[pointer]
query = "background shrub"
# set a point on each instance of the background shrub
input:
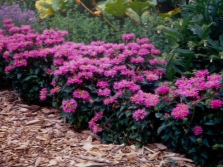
(19, 16)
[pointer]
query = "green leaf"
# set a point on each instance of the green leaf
(185, 51)
(139, 7)
(205, 141)
(158, 115)
(19, 76)
(117, 8)
(197, 30)
(212, 43)
(162, 127)
(56, 5)
(133, 15)
(145, 17)
(133, 135)
(221, 39)
(30, 77)
(170, 13)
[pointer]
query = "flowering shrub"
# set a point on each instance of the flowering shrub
(111, 87)
(18, 16)
(192, 114)
(27, 57)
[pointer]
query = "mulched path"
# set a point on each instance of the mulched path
(34, 136)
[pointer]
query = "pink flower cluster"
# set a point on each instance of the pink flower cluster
(197, 130)
(69, 106)
(193, 88)
(180, 111)
(128, 37)
(81, 94)
(139, 114)
(24, 44)
(217, 103)
(93, 123)
(43, 94)
(147, 99)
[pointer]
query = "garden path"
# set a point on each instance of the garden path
(34, 136)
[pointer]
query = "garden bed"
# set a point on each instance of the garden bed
(37, 136)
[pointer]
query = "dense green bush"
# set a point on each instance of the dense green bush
(199, 38)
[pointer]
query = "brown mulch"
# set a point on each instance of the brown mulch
(32, 136)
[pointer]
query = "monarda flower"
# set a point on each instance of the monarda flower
(162, 90)
(102, 84)
(104, 92)
(180, 111)
(139, 114)
(197, 130)
(43, 94)
(55, 90)
(216, 103)
(69, 106)
(81, 94)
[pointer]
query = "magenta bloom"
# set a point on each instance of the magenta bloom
(55, 90)
(197, 130)
(43, 94)
(216, 103)
(180, 111)
(164, 89)
(96, 128)
(69, 106)
(139, 114)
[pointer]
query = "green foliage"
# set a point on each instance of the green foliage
(199, 38)
(83, 28)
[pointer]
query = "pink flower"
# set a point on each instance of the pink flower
(128, 37)
(180, 111)
(151, 100)
(216, 103)
(55, 90)
(102, 84)
(104, 92)
(166, 115)
(43, 94)
(201, 73)
(81, 94)
(164, 89)
(197, 130)
(69, 106)
(110, 100)
(96, 128)
(139, 114)
(98, 116)
(152, 77)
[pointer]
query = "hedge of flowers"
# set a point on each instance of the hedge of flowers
(116, 90)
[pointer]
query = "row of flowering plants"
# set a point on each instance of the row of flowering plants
(115, 89)
(109, 87)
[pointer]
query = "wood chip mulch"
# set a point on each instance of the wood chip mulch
(34, 136)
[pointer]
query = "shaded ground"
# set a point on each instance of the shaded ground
(32, 136)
